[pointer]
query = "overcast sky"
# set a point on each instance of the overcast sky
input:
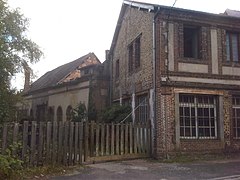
(68, 29)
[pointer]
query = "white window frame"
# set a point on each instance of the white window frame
(197, 105)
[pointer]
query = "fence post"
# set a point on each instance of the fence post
(48, 148)
(107, 139)
(117, 139)
(60, 142)
(65, 148)
(126, 139)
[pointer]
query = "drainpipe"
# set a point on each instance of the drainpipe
(154, 83)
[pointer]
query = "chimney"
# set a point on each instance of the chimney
(27, 75)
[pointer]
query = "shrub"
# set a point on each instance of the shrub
(116, 113)
(9, 163)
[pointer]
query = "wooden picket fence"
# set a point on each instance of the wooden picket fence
(71, 143)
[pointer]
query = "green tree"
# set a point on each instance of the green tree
(79, 114)
(16, 49)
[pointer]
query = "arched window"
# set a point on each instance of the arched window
(50, 114)
(31, 114)
(59, 113)
(69, 113)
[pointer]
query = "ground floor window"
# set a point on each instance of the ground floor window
(198, 116)
(236, 116)
(142, 108)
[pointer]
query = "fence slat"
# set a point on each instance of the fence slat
(86, 141)
(117, 139)
(92, 138)
(107, 139)
(60, 142)
(15, 133)
(25, 141)
(40, 143)
(48, 141)
(135, 138)
(97, 139)
(102, 138)
(4, 140)
(126, 139)
(71, 143)
(112, 139)
(122, 139)
(80, 142)
(76, 141)
(54, 142)
(33, 143)
(66, 140)
(130, 138)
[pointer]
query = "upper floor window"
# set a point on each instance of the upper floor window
(134, 54)
(137, 52)
(191, 42)
(232, 47)
(236, 116)
(117, 69)
(130, 58)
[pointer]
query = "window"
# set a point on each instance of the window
(191, 42)
(134, 54)
(69, 113)
(142, 109)
(198, 116)
(50, 114)
(59, 113)
(137, 52)
(117, 69)
(232, 47)
(130, 58)
(236, 116)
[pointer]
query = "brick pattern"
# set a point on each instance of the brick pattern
(134, 23)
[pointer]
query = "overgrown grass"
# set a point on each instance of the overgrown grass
(42, 172)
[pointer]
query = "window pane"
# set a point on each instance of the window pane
(228, 46)
(235, 47)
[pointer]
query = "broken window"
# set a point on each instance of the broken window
(142, 109)
(117, 69)
(191, 42)
(130, 58)
(232, 47)
(137, 52)
(198, 119)
(236, 116)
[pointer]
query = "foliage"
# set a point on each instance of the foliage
(9, 163)
(79, 114)
(116, 113)
(16, 49)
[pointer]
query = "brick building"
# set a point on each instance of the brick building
(53, 96)
(180, 70)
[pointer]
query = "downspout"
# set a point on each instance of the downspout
(154, 144)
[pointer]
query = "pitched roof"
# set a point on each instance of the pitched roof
(52, 78)
(232, 13)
